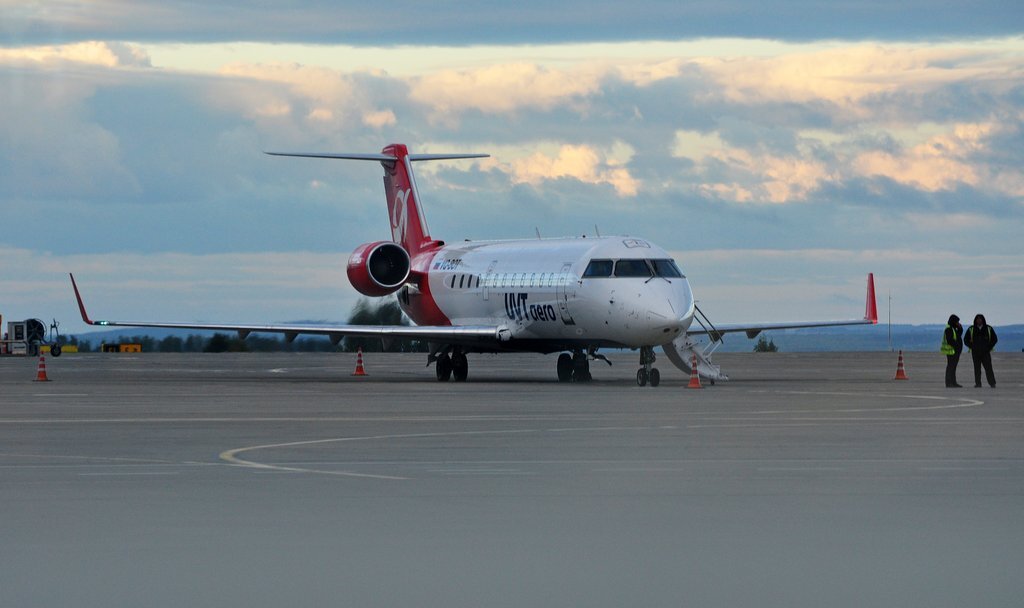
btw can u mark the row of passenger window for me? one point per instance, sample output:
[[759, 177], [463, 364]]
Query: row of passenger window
[[502, 280], [632, 268]]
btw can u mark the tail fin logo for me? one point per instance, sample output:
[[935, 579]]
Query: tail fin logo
[[400, 216]]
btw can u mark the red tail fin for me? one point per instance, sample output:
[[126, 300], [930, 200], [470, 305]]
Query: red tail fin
[[408, 225]]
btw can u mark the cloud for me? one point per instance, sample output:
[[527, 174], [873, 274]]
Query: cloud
[[500, 89], [408, 22], [294, 102], [851, 81], [758, 176], [944, 162], [948, 222], [379, 118], [581, 162], [107, 54], [47, 147]]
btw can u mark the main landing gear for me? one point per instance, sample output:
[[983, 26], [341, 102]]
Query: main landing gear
[[454, 365], [573, 368], [576, 367], [647, 373]]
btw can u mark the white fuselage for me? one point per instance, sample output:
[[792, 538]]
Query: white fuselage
[[540, 291]]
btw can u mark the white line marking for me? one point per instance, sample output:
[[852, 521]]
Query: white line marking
[[70, 457], [964, 468], [478, 472], [231, 456], [159, 420], [128, 474], [645, 470], [799, 469], [965, 402]]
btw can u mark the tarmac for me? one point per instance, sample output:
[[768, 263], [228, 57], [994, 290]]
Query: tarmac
[[281, 480]]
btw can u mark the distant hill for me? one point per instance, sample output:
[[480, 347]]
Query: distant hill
[[825, 339]]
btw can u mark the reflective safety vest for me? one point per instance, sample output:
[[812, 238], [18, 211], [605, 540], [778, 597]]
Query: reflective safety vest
[[947, 348], [970, 330]]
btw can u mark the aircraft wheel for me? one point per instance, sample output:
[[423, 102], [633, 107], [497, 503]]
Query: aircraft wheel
[[564, 367], [460, 367], [55, 350], [443, 367], [641, 377], [581, 369], [655, 377]]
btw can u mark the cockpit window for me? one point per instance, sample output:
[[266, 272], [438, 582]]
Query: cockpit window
[[666, 268], [598, 268], [632, 268]]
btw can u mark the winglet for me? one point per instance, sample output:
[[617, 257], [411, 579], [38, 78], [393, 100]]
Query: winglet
[[81, 305], [870, 307]]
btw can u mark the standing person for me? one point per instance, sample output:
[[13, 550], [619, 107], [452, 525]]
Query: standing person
[[952, 346], [981, 339]]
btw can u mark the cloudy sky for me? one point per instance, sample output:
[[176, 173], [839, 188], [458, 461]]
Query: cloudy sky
[[780, 149]]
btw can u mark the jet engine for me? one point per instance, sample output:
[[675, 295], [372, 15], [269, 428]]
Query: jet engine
[[377, 269]]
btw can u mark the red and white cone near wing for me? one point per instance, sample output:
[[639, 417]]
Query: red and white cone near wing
[[694, 377], [41, 370], [359, 364], [901, 374]]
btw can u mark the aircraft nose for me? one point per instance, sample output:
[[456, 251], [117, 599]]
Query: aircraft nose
[[663, 319], [674, 302]]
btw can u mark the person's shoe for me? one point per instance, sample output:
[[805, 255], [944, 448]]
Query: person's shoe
[[958, 386], [977, 386]]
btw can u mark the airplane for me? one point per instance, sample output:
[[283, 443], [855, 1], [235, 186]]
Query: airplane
[[572, 296]]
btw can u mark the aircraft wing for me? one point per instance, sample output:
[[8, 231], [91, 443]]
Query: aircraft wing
[[463, 334], [753, 329]]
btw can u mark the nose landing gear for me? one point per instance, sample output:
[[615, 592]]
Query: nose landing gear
[[647, 373]]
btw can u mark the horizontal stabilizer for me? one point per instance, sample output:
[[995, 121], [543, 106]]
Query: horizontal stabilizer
[[384, 158], [416, 157], [341, 155]]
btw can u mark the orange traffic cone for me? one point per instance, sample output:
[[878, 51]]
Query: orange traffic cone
[[41, 370], [694, 377], [359, 364], [901, 374]]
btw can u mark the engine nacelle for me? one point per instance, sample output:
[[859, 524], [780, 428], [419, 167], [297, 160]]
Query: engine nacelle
[[377, 269]]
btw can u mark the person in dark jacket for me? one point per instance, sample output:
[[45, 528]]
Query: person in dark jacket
[[952, 346], [981, 339]]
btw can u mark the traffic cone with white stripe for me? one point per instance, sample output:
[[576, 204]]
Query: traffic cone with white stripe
[[359, 364], [694, 377], [901, 374], [41, 370]]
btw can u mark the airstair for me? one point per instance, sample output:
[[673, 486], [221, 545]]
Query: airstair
[[682, 350]]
